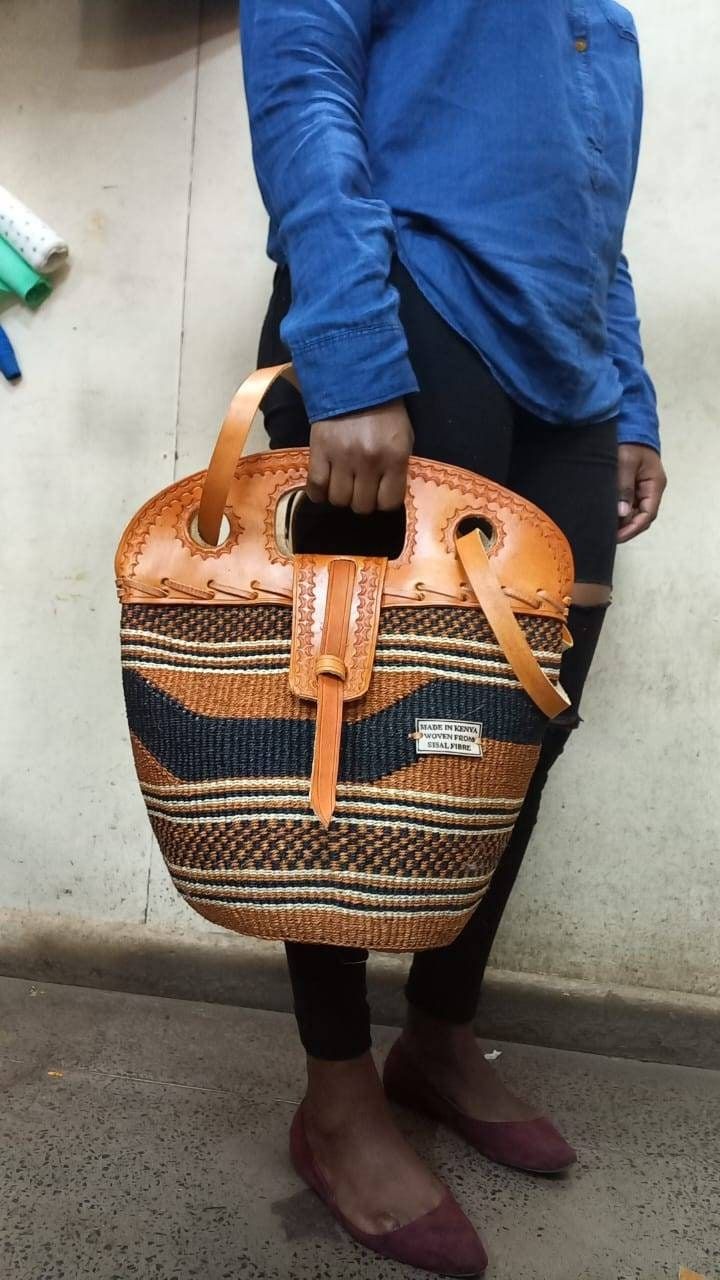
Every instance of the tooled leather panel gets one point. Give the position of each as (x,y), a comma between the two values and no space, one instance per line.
(310,602)
(158,558)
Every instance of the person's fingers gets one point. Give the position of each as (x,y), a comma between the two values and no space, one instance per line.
(318,478)
(648,496)
(627,476)
(391,490)
(641,484)
(638,522)
(365,492)
(340,486)
(650,491)
(361,459)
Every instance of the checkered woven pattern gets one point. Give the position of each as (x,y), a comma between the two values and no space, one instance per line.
(224,751)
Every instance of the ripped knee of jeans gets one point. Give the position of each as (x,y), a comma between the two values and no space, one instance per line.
(591,595)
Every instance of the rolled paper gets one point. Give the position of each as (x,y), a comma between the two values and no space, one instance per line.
(33,239)
(20,278)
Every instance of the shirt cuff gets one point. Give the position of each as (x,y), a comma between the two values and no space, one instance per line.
(354,369)
(632,431)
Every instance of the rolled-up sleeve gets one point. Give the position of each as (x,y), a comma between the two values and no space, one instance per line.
(305,65)
(638,422)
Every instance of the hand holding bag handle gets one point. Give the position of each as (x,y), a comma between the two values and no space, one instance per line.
(231,441)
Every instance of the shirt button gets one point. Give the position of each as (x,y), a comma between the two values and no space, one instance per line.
(581,45)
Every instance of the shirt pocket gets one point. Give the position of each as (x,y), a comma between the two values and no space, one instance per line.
(621,18)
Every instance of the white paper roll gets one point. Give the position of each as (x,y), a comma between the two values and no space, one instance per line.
(34,240)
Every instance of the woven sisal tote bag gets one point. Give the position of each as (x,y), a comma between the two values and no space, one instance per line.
(335,748)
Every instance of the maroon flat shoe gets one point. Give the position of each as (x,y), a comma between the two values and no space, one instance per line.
(443,1240)
(535,1146)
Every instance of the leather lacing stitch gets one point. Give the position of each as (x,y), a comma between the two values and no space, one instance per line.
(145,588)
(198,593)
(422,590)
(256,589)
(541,597)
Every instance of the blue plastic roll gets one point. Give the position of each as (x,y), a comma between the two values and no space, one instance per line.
(9,366)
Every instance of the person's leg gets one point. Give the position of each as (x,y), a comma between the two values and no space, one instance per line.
(378,1180)
(571,474)
(459,415)
(285,418)
(444,986)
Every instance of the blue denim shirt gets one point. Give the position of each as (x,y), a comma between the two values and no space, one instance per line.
(493,147)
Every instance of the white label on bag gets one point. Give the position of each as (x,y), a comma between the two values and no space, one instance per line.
(447,738)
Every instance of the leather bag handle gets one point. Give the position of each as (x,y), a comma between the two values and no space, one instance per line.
(230,444)
(470,548)
(505,627)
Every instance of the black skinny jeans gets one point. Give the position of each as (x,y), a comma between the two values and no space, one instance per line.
(461,416)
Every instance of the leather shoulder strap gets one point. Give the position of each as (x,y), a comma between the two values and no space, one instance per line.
(229,446)
(506,629)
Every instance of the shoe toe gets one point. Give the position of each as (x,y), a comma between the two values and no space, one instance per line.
(533,1145)
(551,1152)
(444,1241)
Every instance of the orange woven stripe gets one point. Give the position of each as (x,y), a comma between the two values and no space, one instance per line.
(376,932)
(231,696)
(149,770)
(386,689)
(504,771)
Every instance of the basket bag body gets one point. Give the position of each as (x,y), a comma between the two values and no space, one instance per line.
(335,748)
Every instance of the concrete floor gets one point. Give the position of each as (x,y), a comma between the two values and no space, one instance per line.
(146,1138)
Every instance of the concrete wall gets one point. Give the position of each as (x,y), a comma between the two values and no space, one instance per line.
(128,133)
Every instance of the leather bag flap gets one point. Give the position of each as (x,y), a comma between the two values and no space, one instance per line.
(363,580)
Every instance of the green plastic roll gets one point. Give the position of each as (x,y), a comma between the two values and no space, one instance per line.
(17,277)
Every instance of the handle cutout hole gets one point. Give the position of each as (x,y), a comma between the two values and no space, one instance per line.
(487,529)
(195,533)
(318,528)
(283,521)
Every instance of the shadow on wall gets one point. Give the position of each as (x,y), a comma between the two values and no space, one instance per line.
(121,34)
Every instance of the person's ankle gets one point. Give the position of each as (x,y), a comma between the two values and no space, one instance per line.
(432,1038)
(339,1093)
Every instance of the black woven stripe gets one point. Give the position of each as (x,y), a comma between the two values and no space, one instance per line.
(435,812)
(473,822)
(293,887)
(196,748)
(278,904)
